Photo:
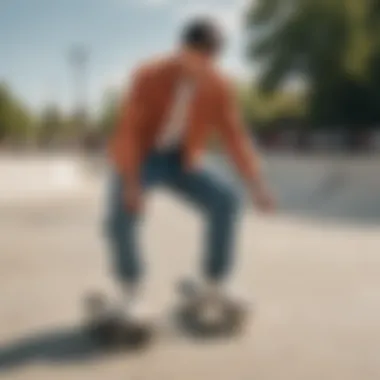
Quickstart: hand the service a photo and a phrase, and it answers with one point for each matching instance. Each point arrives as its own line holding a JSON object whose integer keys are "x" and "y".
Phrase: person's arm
{"x": 126, "y": 135}
{"x": 131, "y": 115}
{"x": 240, "y": 146}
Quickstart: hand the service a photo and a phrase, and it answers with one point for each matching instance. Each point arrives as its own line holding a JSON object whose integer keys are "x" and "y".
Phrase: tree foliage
{"x": 334, "y": 45}
{"x": 16, "y": 122}
{"x": 109, "y": 112}
{"x": 51, "y": 125}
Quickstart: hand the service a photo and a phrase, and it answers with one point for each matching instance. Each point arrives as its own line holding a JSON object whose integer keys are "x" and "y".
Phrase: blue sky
{"x": 36, "y": 35}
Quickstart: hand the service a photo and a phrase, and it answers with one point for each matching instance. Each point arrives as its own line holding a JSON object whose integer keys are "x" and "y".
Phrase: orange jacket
{"x": 213, "y": 109}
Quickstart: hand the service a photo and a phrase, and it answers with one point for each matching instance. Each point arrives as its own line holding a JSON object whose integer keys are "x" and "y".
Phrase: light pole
{"x": 78, "y": 59}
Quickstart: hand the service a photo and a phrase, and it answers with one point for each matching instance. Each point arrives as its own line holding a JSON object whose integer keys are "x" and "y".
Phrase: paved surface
{"x": 315, "y": 280}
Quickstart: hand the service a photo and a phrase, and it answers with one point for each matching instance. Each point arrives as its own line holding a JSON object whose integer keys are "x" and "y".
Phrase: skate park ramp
{"x": 313, "y": 272}
{"x": 335, "y": 188}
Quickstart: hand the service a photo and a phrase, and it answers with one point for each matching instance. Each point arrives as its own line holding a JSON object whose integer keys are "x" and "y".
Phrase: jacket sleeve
{"x": 232, "y": 130}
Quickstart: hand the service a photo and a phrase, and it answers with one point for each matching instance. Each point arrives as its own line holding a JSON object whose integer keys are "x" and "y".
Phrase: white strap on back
{"x": 175, "y": 125}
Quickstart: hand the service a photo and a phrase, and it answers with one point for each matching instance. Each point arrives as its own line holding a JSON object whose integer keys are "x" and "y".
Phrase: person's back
{"x": 186, "y": 86}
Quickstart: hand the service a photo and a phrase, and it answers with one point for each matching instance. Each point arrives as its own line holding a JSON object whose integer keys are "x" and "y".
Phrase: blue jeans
{"x": 213, "y": 197}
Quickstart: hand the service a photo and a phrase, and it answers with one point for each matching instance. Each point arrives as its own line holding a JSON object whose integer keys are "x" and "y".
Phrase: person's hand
{"x": 262, "y": 197}
{"x": 133, "y": 198}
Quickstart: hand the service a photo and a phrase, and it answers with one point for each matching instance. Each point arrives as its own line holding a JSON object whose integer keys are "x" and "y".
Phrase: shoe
{"x": 213, "y": 301}
{"x": 136, "y": 313}
{"x": 133, "y": 308}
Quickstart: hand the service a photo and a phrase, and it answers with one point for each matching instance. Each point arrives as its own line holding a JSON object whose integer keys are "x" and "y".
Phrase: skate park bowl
{"x": 312, "y": 269}
{"x": 335, "y": 187}
{"x": 331, "y": 187}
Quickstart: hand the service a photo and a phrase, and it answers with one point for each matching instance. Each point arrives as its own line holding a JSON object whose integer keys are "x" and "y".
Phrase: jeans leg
{"x": 122, "y": 226}
{"x": 219, "y": 202}
{"x": 122, "y": 230}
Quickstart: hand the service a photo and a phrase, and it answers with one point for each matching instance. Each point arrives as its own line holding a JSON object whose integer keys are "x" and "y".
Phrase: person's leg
{"x": 122, "y": 228}
{"x": 219, "y": 202}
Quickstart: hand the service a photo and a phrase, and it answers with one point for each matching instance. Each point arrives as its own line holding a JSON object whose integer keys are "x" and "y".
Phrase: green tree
{"x": 109, "y": 112}
{"x": 332, "y": 44}
{"x": 51, "y": 125}
{"x": 261, "y": 109}
{"x": 16, "y": 122}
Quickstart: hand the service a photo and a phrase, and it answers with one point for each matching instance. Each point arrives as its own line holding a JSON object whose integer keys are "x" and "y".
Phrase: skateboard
{"x": 109, "y": 329}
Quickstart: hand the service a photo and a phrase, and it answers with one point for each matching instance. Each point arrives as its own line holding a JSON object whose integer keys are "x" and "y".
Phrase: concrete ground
{"x": 315, "y": 281}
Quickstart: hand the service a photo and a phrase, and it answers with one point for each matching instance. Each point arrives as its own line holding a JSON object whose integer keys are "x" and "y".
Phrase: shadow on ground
{"x": 67, "y": 346}
{"x": 61, "y": 346}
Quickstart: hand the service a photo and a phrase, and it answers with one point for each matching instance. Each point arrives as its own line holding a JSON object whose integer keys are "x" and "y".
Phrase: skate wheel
{"x": 230, "y": 323}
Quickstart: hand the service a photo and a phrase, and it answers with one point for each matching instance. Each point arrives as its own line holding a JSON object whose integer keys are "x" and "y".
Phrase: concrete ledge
{"x": 30, "y": 178}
